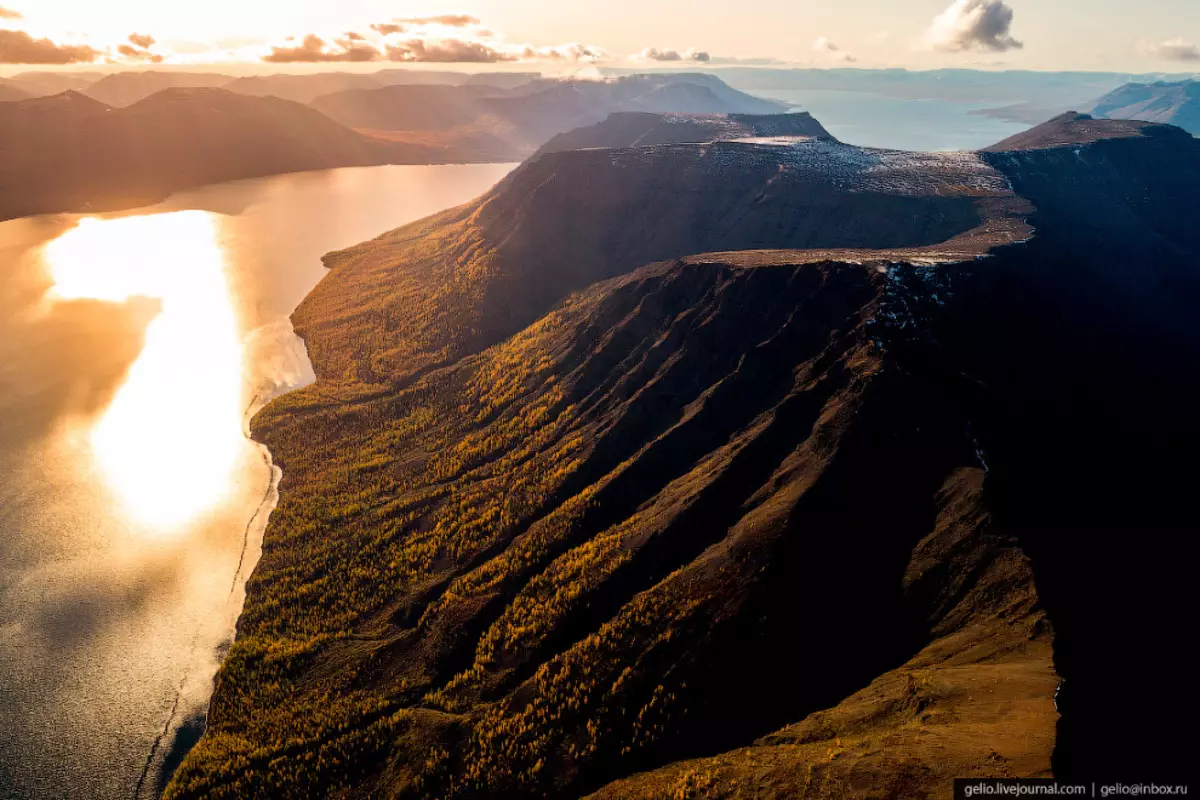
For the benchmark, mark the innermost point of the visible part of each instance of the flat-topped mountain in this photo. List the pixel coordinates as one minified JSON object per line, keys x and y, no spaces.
{"x":537,"y":237}
{"x":638,"y":129}
{"x":70,"y":152}
{"x":1175,"y":103}
{"x":693,"y":469}
{"x":1073,"y":129}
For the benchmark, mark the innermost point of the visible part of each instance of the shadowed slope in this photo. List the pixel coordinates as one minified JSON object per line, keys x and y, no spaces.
{"x":429,"y":293}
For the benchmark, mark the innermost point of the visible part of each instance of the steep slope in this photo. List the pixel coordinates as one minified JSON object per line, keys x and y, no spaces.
{"x":1170,"y":103}
{"x":126,"y":88}
{"x":477,"y":274}
{"x":519,"y":120}
{"x":70,"y":152}
{"x":626,"y":504}
{"x":642,"y":129}
{"x":1088,"y":418}
{"x":827,"y":513}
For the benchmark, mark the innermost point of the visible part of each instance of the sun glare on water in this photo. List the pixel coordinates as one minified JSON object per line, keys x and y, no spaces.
{"x":169,"y":442}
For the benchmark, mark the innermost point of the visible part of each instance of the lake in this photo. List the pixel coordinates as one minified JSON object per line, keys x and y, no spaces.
{"x":134,"y":348}
{"x":872,"y":120}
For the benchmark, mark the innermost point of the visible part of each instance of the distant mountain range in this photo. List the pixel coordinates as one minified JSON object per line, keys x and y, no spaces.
{"x":1175,"y":103}
{"x":517,"y":121}
{"x":71,"y":152}
{"x":128,"y":87}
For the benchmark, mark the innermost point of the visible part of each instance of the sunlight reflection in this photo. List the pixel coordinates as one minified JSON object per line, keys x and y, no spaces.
{"x":169,"y":442}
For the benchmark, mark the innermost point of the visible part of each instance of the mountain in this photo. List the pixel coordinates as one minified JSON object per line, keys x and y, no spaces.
{"x":736,"y":469}
{"x":126,"y":88}
{"x":1171,"y":103}
{"x":641,"y":129}
{"x":302,"y":88}
{"x":503,"y":80}
{"x":70,"y":152}
{"x":1073,"y":128}
{"x":425,"y":77}
{"x":10,"y":91}
{"x":517,"y":121}
{"x":41,"y":84}
{"x":405,"y":107}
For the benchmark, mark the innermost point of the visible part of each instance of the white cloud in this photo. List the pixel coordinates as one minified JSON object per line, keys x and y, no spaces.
{"x":1174,"y":50}
{"x":445,"y":39}
{"x":827,"y":48}
{"x":973,"y":25}
{"x":656,"y":54}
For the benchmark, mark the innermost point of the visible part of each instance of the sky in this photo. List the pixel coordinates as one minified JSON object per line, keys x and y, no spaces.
{"x":1114,"y":35}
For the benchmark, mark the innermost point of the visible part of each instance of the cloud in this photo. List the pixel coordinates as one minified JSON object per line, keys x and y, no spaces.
{"x":18,"y":47}
{"x":388,"y":28}
{"x":1174,"y":50}
{"x":655,"y":54}
{"x":973,"y":25}
{"x":8,"y":13}
{"x":581,"y":53}
{"x":445,"y":51}
{"x":828,"y":48}
{"x":314,"y":49}
{"x":136,"y":54}
{"x":448,"y":20}
{"x":138,"y":49}
{"x":444,"y":39}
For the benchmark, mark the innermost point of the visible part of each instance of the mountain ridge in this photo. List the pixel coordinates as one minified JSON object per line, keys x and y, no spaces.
{"x":730,"y":524}
{"x":1176,"y":103}
{"x":70,"y":152}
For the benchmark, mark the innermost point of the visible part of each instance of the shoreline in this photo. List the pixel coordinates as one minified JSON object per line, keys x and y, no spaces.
{"x":181,"y":734}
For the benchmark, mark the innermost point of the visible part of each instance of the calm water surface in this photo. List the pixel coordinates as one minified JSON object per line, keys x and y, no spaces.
{"x":133,"y":349}
{"x":901,"y":124}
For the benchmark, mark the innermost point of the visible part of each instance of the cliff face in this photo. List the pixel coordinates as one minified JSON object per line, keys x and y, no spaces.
{"x":826,"y":512}
{"x":1086,"y":416}
{"x":457,"y":283}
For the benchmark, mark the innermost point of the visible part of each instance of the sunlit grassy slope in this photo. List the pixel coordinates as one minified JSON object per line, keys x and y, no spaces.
{"x":550,"y":519}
